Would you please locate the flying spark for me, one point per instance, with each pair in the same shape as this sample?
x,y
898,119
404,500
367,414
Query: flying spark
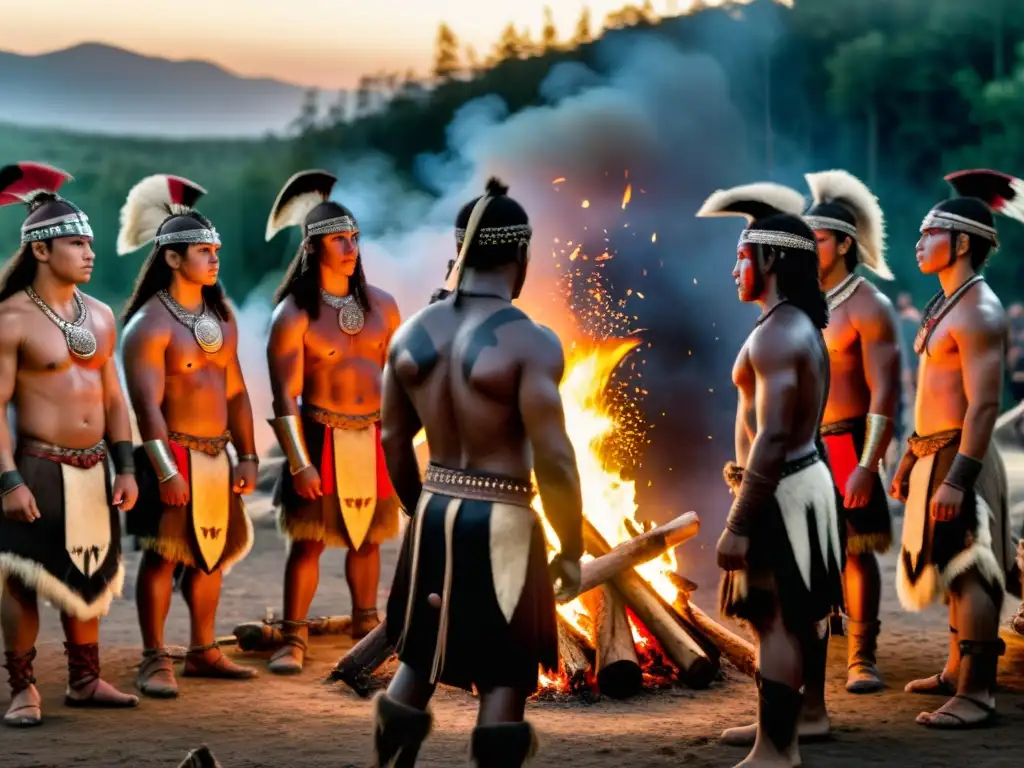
x,y
627,196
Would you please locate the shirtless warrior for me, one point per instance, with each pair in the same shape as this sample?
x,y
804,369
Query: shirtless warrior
x,y
472,582
327,345
781,548
60,532
956,541
185,382
864,389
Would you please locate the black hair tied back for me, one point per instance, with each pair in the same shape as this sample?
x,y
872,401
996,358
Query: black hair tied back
x,y
495,188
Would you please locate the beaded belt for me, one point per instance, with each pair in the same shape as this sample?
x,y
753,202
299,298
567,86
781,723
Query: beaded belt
x,y
211,446
844,427
732,473
340,420
468,484
929,444
84,458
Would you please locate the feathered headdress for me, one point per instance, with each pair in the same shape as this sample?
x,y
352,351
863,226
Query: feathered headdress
x,y
304,202
151,203
50,216
842,202
772,212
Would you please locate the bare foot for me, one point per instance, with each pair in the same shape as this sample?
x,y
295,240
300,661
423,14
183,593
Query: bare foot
x,y
941,684
99,693
961,713
811,728
26,709
766,757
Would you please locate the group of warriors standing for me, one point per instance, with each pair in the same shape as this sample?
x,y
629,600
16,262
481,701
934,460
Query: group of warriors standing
x,y
817,379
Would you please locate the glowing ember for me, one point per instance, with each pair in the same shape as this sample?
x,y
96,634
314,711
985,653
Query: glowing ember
x,y
586,203
559,180
627,196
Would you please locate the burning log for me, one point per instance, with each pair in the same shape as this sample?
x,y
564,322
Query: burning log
x,y
732,646
618,667
267,636
575,655
610,562
696,667
354,670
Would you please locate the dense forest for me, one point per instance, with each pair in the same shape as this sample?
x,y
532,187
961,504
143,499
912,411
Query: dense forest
x,y
897,91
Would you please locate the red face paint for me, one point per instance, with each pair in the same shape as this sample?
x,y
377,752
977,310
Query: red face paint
x,y
746,273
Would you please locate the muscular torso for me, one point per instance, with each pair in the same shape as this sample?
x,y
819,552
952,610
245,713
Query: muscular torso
x,y
812,375
461,367
313,359
195,398
341,373
941,402
58,398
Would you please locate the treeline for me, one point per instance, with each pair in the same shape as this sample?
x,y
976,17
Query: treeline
x,y
899,92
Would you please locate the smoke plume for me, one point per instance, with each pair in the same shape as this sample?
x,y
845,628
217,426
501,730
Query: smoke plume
x,y
647,115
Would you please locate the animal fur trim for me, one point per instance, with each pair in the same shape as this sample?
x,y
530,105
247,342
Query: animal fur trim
x,y
56,592
810,488
149,204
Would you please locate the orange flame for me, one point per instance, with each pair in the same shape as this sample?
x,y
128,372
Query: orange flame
x,y
627,196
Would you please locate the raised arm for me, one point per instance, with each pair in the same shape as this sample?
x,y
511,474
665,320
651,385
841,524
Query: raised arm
x,y
540,404
876,325
399,425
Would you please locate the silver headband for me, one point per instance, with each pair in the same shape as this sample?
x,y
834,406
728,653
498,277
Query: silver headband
x,y
945,220
69,225
497,235
827,222
332,226
192,236
779,239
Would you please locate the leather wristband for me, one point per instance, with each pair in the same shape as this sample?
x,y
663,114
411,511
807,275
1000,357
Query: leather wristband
x,y
249,457
122,453
755,492
9,481
963,472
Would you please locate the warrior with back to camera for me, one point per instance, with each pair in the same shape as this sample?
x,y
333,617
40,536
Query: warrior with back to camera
x,y
185,382
328,339
473,581
781,549
60,532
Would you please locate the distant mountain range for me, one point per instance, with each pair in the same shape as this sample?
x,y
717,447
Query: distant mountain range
x,y
100,88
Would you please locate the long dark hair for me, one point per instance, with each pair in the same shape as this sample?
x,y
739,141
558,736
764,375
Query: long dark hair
x,y
302,281
796,274
19,271
156,275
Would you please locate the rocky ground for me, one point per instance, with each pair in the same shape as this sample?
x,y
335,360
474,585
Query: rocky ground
x,y
303,722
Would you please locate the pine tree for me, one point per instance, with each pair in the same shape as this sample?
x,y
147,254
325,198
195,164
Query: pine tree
x,y
309,112
446,53
549,36
509,45
582,34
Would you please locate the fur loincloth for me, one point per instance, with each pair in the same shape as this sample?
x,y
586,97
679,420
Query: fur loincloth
x,y
934,553
212,531
358,503
482,551
868,528
71,555
795,556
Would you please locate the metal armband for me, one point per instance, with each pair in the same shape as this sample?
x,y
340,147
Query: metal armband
x,y
875,432
288,430
162,459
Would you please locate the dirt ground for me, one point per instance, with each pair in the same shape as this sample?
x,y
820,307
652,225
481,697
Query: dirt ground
x,y
303,722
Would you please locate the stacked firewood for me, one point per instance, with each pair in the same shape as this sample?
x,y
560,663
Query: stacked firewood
x,y
604,654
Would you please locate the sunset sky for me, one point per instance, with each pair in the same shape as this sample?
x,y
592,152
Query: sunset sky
x,y
324,43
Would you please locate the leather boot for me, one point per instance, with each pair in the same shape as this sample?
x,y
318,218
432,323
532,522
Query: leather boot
x,y
862,675
505,745
26,706
399,732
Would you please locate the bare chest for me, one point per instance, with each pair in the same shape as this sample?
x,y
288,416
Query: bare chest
x,y
326,343
743,376
46,349
841,337
185,357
